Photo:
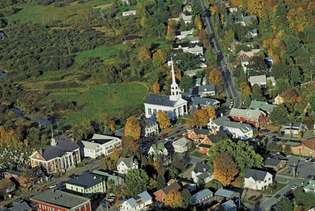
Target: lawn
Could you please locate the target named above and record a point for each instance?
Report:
(307, 200)
(46, 14)
(100, 100)
(103, 52)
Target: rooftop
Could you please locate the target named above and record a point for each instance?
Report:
(258, 79)
(206, 88)
(155, 99)
(257, 175)
(101, 139)
(63, 145)
(261, 105)
(226, 122)
(86, 180)
(60, 198)
(181, 142)
(248, 113)
(201, 194)
(204, 101)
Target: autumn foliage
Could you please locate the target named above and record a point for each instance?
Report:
(224, 169)
(132, 128)
(162, 119)
(173, 199)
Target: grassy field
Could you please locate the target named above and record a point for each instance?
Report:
(47, 14)
(103, 52)
(98, 100)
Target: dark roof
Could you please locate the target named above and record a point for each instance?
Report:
(60, 198)
(206, 88)
(63, 145)
(174, 186)
(255, 174)
(159, 100)
(201, 131)
(204, 101)
(20, 206)
(272, 162)
(86, 180)
(202, 167)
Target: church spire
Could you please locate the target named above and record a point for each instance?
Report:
(173, 73)
(175, 91)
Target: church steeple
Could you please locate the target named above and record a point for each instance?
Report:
(175, 91)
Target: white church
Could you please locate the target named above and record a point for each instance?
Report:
(174, 105)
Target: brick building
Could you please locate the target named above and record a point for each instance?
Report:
(56, 200)
(256, 118)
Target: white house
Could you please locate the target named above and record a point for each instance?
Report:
(181, 145)
(174, 105)
(126, 164)
(257, 179)
(186, 18)
(129, 13)
(158, 150)
(235, 129)
(201, 173)
(206, 90)
(185, 34)
(140, 202)
(195, 50)
(100, 145)
(261, 80)
(149, 127)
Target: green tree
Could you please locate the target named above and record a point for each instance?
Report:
(136, 181)
(279, 115)
(284, 205)
(186, 196)
(241, 152)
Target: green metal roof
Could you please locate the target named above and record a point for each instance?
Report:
(261, 105)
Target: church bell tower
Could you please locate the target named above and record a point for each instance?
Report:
(175, 91)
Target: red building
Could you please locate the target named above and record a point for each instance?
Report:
(256, 118)
(56, 200)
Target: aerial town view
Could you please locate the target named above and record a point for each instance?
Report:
(134, 105)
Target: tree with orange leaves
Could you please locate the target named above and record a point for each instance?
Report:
(214, 76)
(224, 169)
(173, 199)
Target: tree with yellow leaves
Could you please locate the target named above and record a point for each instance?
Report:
(170, 34)
(173, 199)
(162, 119)
(198, 23)
(245, 89)
(257, 7)
(211, 112)
(156, 88)
(132, 128)
(200, 118)
(214, 76)
(144, 53)
(224, 169)
(159, 57)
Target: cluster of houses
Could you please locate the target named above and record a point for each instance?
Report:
(64, 154)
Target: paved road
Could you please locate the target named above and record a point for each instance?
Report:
(291, 183)
(231, 91)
